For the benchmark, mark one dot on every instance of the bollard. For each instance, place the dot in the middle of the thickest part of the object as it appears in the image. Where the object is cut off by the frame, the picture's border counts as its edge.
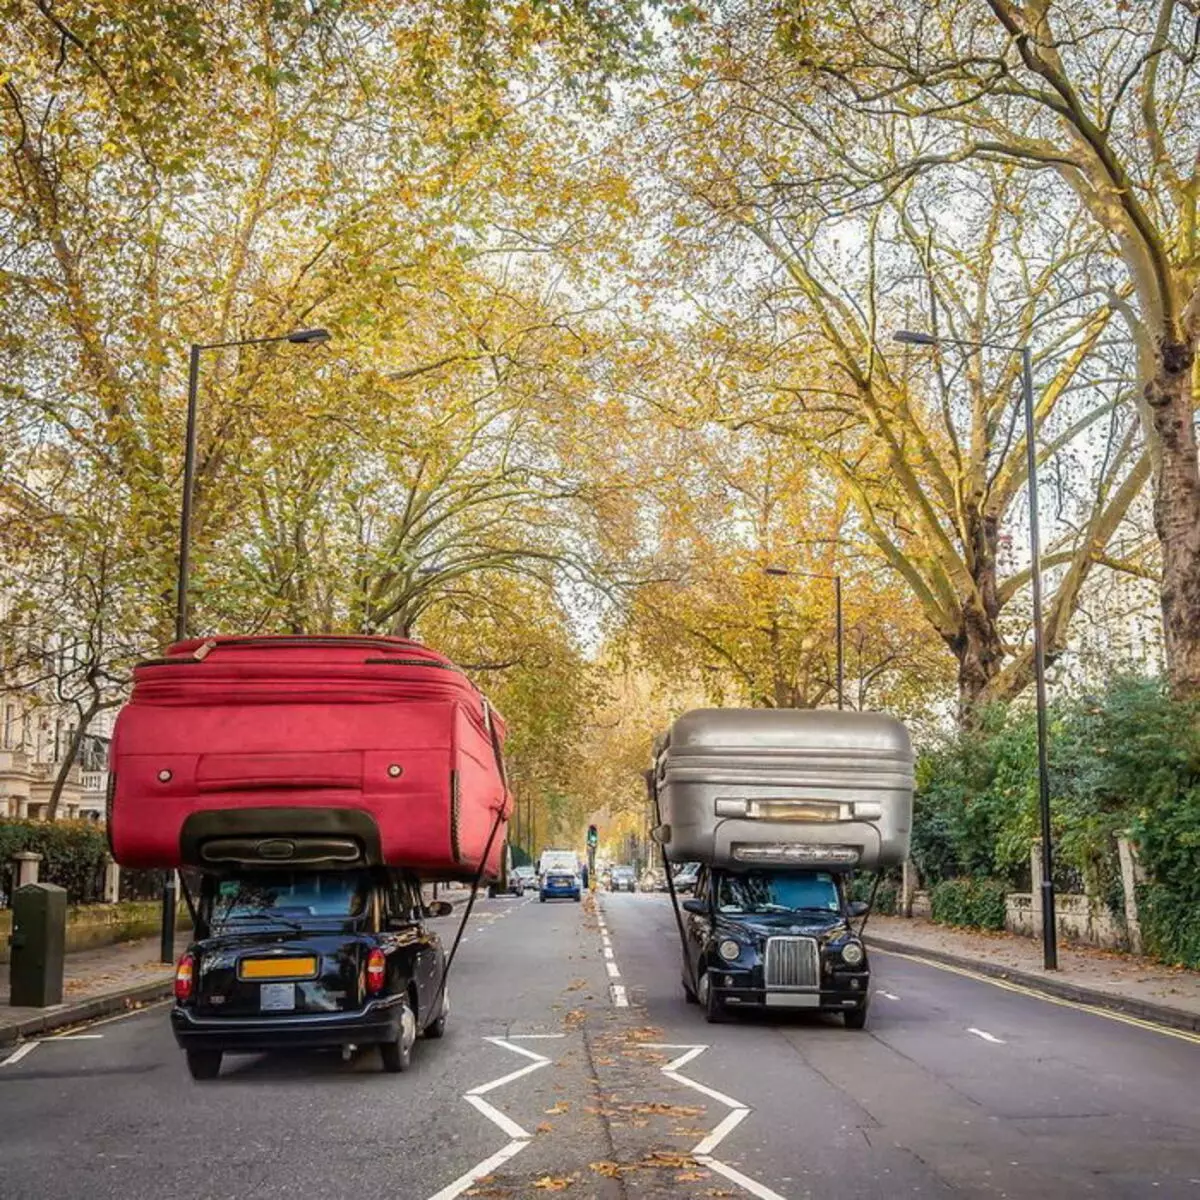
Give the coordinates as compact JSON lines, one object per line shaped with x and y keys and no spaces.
{"x":39,"y":940}
{"x":25,"y":868}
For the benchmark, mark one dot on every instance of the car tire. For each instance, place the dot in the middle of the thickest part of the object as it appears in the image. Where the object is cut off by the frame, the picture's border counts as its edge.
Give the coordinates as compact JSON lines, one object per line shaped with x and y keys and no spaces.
{"x":855,"y":1018}
{"x":714,"y":1008}
{"x":203,"y":1064}
{"x":397,"y":1056}
{"x":437,"y":1028}
{"x":578,"y":897}
{"x":542,"y":899}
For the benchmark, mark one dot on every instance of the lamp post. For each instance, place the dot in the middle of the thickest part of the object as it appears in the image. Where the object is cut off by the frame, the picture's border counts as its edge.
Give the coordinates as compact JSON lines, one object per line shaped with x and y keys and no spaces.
{"x":299,"y":337}
{"x":916,"y":338}
{"x":837,"y":601}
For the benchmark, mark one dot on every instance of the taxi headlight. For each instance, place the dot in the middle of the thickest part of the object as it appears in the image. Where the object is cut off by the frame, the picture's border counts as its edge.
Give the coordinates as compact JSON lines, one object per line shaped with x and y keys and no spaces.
{"x":729,"y":950}
{"x":852,"y":954}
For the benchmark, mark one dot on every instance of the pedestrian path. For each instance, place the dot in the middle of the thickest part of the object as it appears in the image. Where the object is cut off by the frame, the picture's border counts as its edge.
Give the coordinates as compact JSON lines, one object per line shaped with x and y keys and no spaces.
{"x":1103,"y":977}
{"x":93,"y":981}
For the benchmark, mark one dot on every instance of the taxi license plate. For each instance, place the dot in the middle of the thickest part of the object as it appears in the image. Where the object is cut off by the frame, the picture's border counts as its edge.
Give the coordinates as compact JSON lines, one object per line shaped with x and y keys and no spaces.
{"x":277,"y":997}
{"x":302,"y":967}
{"x":793,"y":1000}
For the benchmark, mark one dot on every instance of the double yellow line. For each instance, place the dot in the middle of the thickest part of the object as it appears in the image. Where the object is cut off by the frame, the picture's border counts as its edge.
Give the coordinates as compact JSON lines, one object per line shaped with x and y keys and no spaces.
{"x":1021,"y":989}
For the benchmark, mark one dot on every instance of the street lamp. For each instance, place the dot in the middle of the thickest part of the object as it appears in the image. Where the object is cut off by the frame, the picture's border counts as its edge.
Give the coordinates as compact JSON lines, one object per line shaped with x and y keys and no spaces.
{"x":917,"y":338}
{"x":837,"y":600}
{"x":298,"y":337}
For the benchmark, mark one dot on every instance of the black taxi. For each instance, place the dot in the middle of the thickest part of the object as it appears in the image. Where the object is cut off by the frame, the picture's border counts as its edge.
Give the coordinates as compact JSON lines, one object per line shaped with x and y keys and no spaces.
{"x":774,"y":938}
{"x":309,"y":959}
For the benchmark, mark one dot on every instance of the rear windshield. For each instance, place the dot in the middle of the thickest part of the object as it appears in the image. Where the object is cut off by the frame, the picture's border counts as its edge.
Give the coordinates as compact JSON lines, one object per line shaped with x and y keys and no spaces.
{"x":284,"y":897}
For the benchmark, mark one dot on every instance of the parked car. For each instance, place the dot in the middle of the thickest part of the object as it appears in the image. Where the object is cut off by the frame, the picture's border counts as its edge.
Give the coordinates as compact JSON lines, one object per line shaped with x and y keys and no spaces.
{"x":623,"y":880}
{"x":287,"y":960}
{"x":560,"y":883}
{"x":685,"y":876}
{"x":527,"y":877}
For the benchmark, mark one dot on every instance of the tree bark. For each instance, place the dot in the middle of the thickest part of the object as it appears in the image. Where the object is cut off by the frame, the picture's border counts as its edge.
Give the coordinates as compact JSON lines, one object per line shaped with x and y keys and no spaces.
{"x":1171,"y":397}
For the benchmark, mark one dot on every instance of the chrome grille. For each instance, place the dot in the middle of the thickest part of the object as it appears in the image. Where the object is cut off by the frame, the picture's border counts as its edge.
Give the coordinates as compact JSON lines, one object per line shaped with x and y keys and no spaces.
{"x":792,"y":962}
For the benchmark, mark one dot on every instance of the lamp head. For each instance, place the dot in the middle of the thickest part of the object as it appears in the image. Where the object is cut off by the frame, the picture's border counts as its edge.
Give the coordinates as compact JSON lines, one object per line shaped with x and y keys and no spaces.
{"x":913,"y":337}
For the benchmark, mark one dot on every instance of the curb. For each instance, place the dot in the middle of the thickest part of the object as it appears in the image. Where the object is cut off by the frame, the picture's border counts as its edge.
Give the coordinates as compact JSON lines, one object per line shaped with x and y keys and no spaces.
{"x":1159,"y":1014}
{"x":79,"y":1011}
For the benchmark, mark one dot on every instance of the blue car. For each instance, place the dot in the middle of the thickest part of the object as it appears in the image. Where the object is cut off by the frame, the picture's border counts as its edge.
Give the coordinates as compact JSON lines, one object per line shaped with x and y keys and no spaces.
{"x":560,"y":885}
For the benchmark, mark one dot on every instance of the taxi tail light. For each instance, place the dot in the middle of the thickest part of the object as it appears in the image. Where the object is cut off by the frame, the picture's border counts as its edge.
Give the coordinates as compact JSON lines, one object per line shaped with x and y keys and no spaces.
{"x":185,"y":976}
{"x":376,"y":971}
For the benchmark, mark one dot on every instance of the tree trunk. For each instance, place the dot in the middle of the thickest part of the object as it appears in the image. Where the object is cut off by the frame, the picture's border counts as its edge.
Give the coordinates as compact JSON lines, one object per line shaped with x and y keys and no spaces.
{"x":1177,"y":513}
{"x":977,"y":643}
{"x":64,"y":768}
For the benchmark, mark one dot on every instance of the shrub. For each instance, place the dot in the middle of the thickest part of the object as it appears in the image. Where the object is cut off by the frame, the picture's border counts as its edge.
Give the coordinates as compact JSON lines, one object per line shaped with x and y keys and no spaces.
{"x":1170,"y":926}
{"x":971,"y":903}
{"x":73,"y":853}
{"x":887,"y":898}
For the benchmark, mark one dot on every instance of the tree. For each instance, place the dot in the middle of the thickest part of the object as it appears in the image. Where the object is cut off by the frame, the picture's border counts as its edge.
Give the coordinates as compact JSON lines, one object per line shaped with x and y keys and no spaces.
{"x":934,"y":462}
{"x":1101,"y":98}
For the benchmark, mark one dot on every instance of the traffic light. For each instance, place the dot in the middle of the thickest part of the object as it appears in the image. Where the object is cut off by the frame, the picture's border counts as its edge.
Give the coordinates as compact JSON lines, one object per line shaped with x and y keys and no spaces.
{"x":593,"y":835}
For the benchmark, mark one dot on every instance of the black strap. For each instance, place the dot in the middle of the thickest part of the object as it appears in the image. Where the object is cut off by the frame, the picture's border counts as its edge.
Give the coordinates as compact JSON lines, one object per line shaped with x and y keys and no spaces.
{"x":652,"y":786}
{"x":462,"y":925}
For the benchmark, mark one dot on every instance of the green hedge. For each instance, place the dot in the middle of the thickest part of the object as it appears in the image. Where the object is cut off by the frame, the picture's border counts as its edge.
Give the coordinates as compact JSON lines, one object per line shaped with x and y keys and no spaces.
{"x":887,"y":899}
{"x":73,"y":853}
{"x":1170,"y":926}
{"x":970,"y":903}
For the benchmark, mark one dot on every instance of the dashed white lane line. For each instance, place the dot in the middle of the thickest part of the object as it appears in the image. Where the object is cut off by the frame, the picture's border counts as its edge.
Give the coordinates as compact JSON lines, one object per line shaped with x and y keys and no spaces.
{"x":616,"y":991}
{"x":889,"y":995}
{"x":702,"y":1152}
{"x":519,"y":1137}
{"x":619,"y":998}
{"x":987,"y":1037}
{"x":613,"y":971}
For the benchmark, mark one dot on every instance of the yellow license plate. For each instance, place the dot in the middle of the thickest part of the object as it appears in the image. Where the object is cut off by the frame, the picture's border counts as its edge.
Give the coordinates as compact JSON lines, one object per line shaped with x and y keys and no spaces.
{"x":277,"y":968}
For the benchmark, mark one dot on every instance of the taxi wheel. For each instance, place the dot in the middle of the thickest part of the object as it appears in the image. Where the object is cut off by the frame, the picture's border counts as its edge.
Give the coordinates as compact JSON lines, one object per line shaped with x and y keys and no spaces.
{"x":397,"y":1055}
{"x":437,"y":1029}
{"x":204,"y":1064}
{"x":714,"y":1008}
{"x":855,"y":1018}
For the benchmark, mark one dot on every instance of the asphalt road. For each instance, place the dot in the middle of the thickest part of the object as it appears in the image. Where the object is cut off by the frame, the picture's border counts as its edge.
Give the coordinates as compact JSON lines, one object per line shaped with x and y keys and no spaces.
{"x":958,"y":1087}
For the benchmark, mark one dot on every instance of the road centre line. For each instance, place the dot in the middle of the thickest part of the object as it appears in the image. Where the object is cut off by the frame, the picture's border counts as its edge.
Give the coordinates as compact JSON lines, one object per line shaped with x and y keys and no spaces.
{"x":619,"y":998}
{"x":613,"y":972}
{"x":1022,"y":990}
{"x":608,"y":952}
{"x":738,"y":1112}
{"x":987,"y":1037}
{"x":519,"y":1138}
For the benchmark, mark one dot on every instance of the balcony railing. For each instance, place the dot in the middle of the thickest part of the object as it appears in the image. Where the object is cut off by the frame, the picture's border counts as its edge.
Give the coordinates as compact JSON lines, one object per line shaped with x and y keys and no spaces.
{"x":94,"y":781}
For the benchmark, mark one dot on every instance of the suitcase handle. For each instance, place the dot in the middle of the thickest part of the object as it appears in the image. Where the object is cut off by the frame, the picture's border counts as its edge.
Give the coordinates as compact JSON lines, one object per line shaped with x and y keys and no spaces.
{"x":257,"y":772}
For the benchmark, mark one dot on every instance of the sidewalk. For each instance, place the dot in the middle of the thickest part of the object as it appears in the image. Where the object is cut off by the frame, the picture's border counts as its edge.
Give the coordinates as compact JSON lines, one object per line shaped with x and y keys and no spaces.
{"x":96,"y":982}
{"x":1104,"y":978}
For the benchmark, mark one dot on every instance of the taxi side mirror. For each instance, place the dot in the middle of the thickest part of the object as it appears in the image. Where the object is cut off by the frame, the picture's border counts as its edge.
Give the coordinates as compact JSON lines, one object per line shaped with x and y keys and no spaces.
{"x":857,"y":908}
{"x":698,"y":907}
{"x":439,"y":908}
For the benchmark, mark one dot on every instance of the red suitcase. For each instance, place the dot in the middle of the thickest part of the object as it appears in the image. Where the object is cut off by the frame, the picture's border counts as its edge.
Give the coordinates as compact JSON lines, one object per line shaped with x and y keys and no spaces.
{"x":307,"y":750}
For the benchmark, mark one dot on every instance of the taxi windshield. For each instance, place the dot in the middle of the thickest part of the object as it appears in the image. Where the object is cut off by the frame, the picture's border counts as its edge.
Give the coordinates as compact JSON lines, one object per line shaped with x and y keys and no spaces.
{"x":778,"y":891}
{"x":289,"y":897}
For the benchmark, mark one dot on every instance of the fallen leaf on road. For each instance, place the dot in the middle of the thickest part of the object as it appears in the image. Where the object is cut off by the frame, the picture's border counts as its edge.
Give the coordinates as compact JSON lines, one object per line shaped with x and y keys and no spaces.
{"x":544,"y":1127}
{"x":561,"y":1107}
{"x":552,"y":1183}
{"x":576,"y":984}
{"x":691,"y":1176}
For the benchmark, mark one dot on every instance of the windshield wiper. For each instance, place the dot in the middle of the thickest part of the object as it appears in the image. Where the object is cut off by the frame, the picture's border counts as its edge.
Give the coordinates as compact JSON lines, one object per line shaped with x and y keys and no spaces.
{"x":267,"y":915}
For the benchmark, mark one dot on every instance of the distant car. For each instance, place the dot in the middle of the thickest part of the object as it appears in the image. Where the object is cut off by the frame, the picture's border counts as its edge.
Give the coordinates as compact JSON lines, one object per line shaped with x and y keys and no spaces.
{"x":654,"y":879}
{"x":527,"y":877}
{"x":685,"y":877}
{"x":560,"y":883}
{"x":623,"y":880}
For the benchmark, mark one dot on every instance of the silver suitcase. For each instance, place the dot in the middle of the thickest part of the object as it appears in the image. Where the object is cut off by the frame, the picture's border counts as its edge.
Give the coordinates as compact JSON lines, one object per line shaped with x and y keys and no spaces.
{"x":739,"y":787}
